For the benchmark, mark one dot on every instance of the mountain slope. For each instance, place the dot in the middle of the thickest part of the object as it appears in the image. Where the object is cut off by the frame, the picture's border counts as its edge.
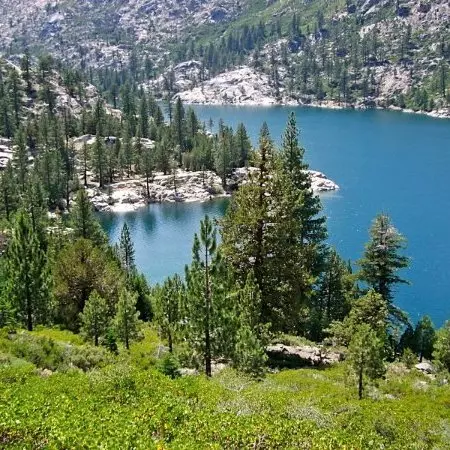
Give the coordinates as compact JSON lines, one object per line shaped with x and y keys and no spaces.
{"x":386,"y":53}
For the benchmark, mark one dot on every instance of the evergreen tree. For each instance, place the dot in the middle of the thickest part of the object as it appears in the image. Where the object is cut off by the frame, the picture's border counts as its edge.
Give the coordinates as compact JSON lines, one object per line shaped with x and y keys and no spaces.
{"x":365,"y":356}
{"x":313,"y":227}
{"x":370,"y":309}
{"x":80,"y":268}
{"x":243,"y":145}
{"x":249,"y":353}
{"x":382,"y":260}
{"x":424,"y":338}
{"x":99,"y":159}
{"x":332,"y":300}
{"x":167,"y":300}
{"x":147,"y":165}
{"x":94,"y":318}
{"x":143,"y":117}
{"x":261,"y":233}
{"x":20,"y":158}
{"x":179,"y":128}
{"x":127,"y":323}
{"x":84,"y":223}
{"x":28,"y":281}
{"x":126,"y":250}
{"x":8,"y":190}
{"x":442,"y":347}
{"x":208,"y":285}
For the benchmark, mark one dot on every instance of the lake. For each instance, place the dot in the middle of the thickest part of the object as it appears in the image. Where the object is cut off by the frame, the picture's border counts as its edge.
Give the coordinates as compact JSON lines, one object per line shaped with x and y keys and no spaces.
{"x":384,"y":161}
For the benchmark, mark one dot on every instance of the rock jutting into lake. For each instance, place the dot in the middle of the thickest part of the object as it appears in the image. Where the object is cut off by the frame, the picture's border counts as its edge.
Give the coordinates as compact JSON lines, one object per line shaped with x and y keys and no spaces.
{"x":184,"y":186}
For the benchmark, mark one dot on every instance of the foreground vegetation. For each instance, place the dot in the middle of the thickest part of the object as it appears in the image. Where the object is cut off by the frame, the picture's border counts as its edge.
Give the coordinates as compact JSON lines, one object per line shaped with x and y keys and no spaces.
{"x":126,"y":402}
{"x":108,"y":374}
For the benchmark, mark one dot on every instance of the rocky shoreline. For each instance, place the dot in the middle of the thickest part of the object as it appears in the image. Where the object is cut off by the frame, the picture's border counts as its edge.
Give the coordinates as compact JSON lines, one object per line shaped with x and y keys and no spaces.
{"x":184,"y":187}
{"x":245,"y":86}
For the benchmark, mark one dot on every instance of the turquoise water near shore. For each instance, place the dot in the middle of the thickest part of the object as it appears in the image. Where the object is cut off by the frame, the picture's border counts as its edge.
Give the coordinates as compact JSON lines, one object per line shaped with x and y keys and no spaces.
{"x":384,"y":161}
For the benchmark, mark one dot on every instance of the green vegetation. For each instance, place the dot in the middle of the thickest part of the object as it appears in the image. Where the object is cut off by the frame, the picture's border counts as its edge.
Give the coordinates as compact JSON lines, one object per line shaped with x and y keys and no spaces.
{"x":112,"y":371}
{"x":123,"y":405}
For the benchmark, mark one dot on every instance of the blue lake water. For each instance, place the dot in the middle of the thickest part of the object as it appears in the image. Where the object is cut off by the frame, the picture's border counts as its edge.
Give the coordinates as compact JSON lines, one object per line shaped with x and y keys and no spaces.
{"x":384,"y":161}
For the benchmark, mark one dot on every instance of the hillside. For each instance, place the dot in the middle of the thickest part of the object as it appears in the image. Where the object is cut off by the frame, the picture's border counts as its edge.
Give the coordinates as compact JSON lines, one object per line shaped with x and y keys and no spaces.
{"x":56,"y":392}
{"x":370,"y":53}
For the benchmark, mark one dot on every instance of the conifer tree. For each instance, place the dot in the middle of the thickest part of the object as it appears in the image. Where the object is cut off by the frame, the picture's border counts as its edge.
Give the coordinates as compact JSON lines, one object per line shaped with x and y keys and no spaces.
{"x":28,"y":281}
{"x":424,"y":338}
{"x":332,"y":300}
{"x":365,"y":356}
{"x":95,"y":317}
{"x":143,"y":117}
{"x":126,"y":250}
{"x":261,"y":233}
{"x":243,"y":145}
{"x":147,"y":165}
{"x":126,"y":321}
{"x":99,"y":159}
{"x":84,"y":223}
{"x":20,"y":158}
{"x":179,"y":128}
{"x":208,"y":285}
{"x":8,"y":190}
{"x":442,"y":346}
{"x":382,"y":260}
{"x":168,"y":303}
{"x":313,"y":227}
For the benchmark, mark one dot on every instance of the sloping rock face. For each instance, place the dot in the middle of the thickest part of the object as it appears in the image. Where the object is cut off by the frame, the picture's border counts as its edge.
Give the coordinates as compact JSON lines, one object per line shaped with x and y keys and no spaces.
{"x":319,"y":181}
{"x":300,"y":356}
{"x":6,"y":152}
{"x":243,"y":86}
{"x":85,"y":32}
{"x":131,"y":194}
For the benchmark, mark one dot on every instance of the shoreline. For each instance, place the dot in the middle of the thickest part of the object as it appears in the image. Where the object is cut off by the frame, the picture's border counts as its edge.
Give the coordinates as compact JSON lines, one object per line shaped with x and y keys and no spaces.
{"x":191,"y":187}
{"x":330,"y":105}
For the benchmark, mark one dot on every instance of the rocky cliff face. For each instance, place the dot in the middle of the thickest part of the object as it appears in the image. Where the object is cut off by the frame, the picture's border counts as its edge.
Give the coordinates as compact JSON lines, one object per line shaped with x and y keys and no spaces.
{"x":361,"y":52}
{"x":102,"y":33}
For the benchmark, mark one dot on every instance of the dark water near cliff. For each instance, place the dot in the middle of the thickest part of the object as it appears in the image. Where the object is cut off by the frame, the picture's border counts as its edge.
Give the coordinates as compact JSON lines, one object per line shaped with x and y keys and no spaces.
{"x":384,"y":162}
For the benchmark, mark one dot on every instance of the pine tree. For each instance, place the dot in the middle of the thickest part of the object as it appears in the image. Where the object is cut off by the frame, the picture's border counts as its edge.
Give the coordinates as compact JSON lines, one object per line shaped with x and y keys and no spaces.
{"x":332,"y":300}
{"x":208,"y":286}
{"x":20,"y":158}
{"x":382,"y":260}
{"x":28,"y":281}
{"x":261,"y":233}
{"x":127,"y":323}
{"x":365,"y":356}
{"x":167,"y":300}
{"x":126,"y":250}
{"x":95,"y":317}
{"x":370,"y":309}
{"x":8,"y":191}
{"x":84,"y":223}
{"x":243,"y":145}
{"x":179,"y":128}
{"x":442,"y":347}
{"x":143,"y":117}
{"x":313,"y":226}
{"x":99,"y":159}
{"x":249,"y":354}
{"x":147,"y":165}
{"x":424,"y":338}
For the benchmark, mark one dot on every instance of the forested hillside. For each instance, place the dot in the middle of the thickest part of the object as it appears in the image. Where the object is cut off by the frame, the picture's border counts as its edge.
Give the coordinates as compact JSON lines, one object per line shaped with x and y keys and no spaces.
{"x":269,"y":339}
{"x":367,"y":53}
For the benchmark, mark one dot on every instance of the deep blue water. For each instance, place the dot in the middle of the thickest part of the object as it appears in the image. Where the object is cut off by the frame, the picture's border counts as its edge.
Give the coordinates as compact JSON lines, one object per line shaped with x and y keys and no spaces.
{"x":384,"y":161}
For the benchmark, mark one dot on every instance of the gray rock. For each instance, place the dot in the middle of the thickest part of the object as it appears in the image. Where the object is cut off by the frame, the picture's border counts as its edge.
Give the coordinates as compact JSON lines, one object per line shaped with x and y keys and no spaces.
{"x":425,"y":367}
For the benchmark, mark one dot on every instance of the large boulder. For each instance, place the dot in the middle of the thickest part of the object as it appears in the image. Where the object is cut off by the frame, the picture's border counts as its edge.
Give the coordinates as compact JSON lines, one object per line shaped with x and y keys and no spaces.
{"x":425,"y":367}
{"x":300,"y":356}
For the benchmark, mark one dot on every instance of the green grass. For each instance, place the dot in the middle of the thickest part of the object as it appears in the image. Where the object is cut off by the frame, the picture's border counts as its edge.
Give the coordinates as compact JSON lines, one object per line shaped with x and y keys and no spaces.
{"x":128,"y":404}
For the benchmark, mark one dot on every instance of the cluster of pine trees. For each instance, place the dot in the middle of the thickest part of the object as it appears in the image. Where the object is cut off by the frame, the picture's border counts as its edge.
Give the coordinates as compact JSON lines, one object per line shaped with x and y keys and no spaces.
{"x":272,"y":272}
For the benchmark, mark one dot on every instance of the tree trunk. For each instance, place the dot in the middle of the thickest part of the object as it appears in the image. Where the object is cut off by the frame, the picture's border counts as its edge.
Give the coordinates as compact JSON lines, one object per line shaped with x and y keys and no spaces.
{"x":170,"y":342}
{"x":360,"y":382}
